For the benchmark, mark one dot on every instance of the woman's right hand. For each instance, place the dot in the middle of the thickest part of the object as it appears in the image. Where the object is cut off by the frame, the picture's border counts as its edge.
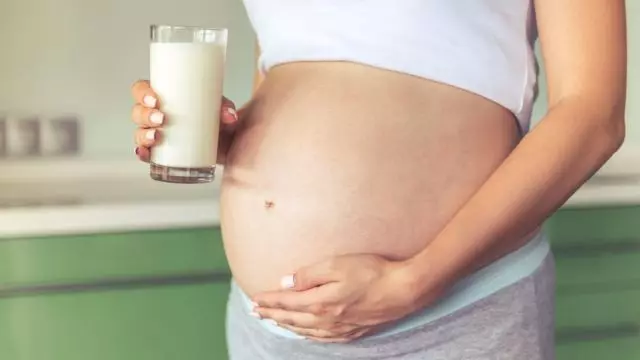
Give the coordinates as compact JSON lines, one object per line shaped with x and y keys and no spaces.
{"x":149,"y":118}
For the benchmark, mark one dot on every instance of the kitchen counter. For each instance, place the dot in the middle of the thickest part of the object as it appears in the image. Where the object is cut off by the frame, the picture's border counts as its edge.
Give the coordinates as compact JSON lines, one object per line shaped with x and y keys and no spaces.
{"x":71,"y":197}
{"x":89,"y":196}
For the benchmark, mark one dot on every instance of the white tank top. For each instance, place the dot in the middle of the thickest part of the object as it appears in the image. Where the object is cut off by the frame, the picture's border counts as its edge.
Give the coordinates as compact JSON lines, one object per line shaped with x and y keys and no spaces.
{"x":482,"y":46}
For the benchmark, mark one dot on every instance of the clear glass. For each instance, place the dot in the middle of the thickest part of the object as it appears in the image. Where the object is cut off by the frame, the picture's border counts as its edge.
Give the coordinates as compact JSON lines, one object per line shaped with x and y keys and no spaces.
{"x":187,"y":66}
{"x":187,"y":34}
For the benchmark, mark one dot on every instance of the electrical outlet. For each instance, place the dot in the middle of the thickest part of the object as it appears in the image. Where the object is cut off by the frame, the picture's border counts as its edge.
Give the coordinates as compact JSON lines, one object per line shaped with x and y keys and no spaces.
{"x":61,"y":135}
{"x":22,"y":136}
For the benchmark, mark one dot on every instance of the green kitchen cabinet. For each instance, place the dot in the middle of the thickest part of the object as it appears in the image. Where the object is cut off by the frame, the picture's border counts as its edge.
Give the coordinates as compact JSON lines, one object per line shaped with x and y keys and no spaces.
{"x":597,"y":253}
{"x":594,"y":226}
{"x":173,"y":322}
{"x":608,"y":309}
{"x":56,"y":259}
{"x":162,"y":294}
{"x":624,"y":348}
{"x":139,"y":295}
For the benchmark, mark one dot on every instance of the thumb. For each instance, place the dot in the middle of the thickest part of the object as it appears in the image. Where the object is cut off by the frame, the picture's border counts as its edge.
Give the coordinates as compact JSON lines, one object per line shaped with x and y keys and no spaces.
{"x":228,"y":112}
{"x":308,"y":277}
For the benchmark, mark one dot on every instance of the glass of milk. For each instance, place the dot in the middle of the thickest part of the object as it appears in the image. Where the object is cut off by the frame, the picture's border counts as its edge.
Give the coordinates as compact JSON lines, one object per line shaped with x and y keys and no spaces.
{"x":187,"y":66}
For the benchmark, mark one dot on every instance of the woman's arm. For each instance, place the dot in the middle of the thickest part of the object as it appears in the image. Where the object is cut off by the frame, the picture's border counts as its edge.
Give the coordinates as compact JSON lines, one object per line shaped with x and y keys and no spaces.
{"x":584,"y":50}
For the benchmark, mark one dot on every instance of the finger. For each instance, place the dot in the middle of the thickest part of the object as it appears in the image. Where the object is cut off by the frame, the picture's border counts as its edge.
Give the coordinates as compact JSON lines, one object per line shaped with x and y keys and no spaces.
{"x":293,"y":318}
{"x":310,"y":333}
{"x":224,"y":144}
{"x":310,"y":276}
{"x":344,"y":338}
{"x":144,"y":95}
{"x":228,"y":116}
{"x":302,"y":301}
{"x":226,"y":103}
{"x":143,"y":153}
{"x":146,"y":117}
{"x":147,"y":137}
{"x":329,"y":340}
{"x":228,"y":113}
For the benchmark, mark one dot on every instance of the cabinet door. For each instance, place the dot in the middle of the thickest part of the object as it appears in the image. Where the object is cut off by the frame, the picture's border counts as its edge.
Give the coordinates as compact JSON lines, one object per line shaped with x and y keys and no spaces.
{"x":598,"y":275}
{"x":86,"y":258}
{"x":173,"y":322}
{"x":604,"y":310}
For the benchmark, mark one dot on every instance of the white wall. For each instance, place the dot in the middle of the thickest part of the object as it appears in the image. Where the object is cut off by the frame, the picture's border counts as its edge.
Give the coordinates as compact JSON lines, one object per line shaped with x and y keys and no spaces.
{"x":633,"y":95}
{"x":82,"y":56}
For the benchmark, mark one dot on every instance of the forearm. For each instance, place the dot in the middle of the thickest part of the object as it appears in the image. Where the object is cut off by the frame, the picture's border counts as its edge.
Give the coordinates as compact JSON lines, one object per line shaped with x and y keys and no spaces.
{"x":545,"y":169}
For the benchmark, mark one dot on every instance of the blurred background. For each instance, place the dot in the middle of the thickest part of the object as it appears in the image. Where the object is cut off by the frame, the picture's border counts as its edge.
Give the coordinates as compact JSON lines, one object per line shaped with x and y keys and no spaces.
{"x":99,"y":262}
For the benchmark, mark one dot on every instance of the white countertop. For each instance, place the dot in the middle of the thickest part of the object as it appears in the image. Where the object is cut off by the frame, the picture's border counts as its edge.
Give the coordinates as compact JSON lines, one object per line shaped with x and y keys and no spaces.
{"x":72,"y":197}
{"x":81,"y":196}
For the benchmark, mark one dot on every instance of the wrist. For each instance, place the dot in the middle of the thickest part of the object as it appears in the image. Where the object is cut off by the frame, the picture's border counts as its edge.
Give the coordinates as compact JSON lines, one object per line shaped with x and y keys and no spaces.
{"x":415,"y":283}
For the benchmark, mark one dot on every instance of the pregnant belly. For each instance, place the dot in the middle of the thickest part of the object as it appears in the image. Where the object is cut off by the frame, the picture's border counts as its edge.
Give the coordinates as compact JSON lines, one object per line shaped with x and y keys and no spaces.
{"x":340,"y":158}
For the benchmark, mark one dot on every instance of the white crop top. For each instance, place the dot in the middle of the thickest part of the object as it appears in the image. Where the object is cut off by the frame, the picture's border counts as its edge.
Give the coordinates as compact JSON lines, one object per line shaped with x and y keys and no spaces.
{"x":482,"y":46}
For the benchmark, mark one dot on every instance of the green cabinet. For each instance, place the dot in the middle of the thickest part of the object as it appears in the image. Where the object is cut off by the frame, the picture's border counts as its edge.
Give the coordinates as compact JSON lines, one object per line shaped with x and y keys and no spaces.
{"x":143,"y":295}
{"x":91,"y":257}
{"x":162,"y":294}
{"x":173,"y":322}
{"x":598,"y":285}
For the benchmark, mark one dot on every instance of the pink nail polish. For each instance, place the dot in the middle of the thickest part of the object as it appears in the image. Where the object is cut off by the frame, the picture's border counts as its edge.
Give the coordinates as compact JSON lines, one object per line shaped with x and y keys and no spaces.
{"x":233,"y":113}
{"x":150,"y":135}
{"x":149,"y":101}
{"x":288,"y":282}
{"x":157,"y":118}
{"x":255,"y":315}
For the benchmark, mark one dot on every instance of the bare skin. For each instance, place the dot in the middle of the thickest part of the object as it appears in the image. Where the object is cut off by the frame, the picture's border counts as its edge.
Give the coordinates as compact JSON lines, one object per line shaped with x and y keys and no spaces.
{"x":378,"y":189}
{"x":346,"y":297}
{"x":379,"y":173}
{"x":310,"y":175}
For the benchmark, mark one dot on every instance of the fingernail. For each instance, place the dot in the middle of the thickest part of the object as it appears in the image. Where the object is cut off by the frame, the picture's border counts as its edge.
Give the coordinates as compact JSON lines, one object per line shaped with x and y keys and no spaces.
{"x":150,"y":101}
{"x":272,"y":322}
{"x":255,"y":315}
{"x":288,"y":282}
{"x":254,"y":304}
{"x":233,"y":113}
{"x":157,"y":117}
{"x":150,"y":135}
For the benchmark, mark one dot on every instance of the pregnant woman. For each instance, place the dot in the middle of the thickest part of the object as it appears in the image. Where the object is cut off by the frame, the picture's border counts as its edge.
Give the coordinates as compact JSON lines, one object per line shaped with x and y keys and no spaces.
{"x":382,"y":194}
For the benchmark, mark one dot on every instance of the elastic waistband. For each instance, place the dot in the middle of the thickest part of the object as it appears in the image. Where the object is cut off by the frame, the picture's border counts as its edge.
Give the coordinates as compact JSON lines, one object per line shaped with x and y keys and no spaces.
{"x":492,"y":278}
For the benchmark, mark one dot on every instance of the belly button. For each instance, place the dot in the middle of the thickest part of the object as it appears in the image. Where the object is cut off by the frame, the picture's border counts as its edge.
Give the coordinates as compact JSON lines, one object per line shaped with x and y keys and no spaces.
{"x":268,"y":204}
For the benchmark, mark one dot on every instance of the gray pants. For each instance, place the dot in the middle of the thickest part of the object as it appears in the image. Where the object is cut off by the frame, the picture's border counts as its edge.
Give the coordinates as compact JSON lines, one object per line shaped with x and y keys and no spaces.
{"x":514,"y":323}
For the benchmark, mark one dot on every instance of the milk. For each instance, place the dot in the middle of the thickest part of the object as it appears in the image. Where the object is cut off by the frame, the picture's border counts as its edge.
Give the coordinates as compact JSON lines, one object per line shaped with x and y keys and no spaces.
{"x":188,"y":79}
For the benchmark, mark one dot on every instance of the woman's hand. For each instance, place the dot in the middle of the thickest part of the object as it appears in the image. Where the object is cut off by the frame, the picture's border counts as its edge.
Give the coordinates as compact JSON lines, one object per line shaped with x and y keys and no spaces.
{"x":148,"y":116}
{"x":341,"y":299}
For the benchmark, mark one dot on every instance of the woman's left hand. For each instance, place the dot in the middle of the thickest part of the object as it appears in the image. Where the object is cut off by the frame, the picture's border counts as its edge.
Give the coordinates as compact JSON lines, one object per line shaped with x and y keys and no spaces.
{"x":340,"y":299}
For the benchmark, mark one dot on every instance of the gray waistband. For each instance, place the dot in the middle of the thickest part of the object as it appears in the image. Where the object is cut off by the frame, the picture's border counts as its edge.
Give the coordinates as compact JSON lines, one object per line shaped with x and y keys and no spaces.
{"x":500,"y":274}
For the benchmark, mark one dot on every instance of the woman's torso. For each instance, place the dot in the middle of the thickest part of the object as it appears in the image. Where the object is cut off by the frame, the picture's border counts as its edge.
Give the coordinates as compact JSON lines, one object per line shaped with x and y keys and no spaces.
{"x":336,"y":158}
